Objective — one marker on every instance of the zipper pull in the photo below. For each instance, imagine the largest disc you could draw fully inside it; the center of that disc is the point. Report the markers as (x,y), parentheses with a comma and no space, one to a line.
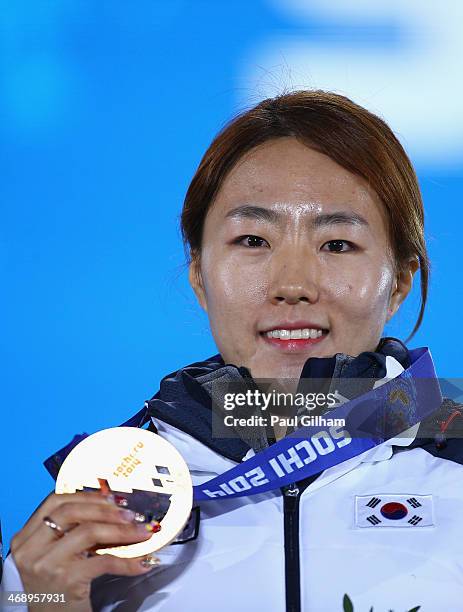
(291,490)
(290,497)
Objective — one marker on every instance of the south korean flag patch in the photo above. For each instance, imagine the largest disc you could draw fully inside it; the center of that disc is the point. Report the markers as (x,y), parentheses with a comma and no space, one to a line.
(386,510)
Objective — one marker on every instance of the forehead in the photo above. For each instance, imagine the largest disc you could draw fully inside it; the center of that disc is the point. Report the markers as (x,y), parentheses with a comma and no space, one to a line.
(287,174)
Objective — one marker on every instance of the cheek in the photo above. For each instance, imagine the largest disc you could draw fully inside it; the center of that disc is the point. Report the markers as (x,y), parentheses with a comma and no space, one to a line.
(363,292)
(230,287)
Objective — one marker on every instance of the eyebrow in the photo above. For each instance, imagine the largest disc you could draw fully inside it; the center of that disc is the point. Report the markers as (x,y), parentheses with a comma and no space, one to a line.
(259,213)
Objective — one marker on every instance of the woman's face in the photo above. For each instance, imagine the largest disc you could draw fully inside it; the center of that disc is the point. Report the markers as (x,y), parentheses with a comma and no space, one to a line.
(295,245)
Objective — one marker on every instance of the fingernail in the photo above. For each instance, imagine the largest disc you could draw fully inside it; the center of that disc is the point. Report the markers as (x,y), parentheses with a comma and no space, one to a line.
(153,526)
(120,500)
(139,518)
(150,561)
(141,527)
(110,498)
(127,515)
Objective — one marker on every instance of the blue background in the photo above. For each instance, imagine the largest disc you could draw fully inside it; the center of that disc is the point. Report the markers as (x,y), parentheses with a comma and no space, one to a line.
(105,111)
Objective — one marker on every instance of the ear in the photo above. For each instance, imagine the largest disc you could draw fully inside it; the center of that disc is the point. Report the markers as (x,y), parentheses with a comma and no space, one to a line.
(402,286)
(196,281)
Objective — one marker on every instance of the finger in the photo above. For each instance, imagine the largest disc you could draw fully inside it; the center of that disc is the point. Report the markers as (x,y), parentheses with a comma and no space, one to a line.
(47,508)
(90,535)
(70,514)
(76,580)
(109,564)
(50,503)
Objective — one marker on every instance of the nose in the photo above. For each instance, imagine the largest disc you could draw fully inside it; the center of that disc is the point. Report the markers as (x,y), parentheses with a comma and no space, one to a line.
(294,279)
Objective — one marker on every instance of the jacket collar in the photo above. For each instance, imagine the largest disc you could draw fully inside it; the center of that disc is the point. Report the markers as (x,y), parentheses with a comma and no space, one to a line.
(206,460)
(184,398)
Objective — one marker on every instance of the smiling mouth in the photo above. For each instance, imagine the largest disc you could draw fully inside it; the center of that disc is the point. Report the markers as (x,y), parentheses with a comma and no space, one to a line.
(296,334)
(294,340)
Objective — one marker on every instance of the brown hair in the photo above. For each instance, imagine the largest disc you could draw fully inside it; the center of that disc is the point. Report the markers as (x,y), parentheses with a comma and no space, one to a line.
(349,134)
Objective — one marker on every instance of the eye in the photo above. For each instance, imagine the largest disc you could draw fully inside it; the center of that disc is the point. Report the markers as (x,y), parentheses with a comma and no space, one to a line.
(336,246)
(250,241)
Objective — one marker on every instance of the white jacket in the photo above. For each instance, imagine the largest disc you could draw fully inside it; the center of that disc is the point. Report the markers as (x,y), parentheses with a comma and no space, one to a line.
(238,560)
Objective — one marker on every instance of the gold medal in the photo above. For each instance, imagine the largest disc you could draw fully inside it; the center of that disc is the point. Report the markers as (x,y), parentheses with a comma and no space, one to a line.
(141,469)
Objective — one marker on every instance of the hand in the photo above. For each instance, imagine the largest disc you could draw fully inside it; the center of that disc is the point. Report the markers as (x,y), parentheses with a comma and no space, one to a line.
(49,563)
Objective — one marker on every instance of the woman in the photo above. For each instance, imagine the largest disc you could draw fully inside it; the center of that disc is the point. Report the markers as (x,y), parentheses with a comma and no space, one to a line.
(304,226)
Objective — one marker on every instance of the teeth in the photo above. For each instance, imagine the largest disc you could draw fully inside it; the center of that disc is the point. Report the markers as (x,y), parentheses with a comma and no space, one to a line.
(296,334)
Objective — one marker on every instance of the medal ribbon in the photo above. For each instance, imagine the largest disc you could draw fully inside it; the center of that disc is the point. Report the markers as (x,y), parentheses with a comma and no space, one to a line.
(310,450)
(370,420)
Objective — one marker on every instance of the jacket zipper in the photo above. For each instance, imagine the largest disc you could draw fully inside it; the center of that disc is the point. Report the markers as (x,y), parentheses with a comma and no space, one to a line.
(291,533)
(291,502)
